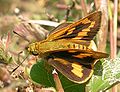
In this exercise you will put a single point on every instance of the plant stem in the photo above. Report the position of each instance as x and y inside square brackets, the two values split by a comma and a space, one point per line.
[83, 4]
[114, 37]
[102, 34]
[57, 82]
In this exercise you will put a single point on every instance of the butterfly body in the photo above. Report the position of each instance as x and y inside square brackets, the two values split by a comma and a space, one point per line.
[51, 46]
[71, 48]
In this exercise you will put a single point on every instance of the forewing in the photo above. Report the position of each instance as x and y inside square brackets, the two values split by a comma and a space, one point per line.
[62, 25]
[84, 29]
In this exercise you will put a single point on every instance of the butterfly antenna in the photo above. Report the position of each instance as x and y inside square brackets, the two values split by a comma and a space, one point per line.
[20, 63]
[21, 36]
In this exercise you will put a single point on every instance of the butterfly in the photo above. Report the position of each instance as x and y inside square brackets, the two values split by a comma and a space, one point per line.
[70, 46]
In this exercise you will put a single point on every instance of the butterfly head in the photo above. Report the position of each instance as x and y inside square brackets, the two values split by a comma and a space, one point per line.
[32, 48]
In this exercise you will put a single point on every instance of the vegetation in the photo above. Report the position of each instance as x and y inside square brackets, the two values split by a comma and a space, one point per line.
[25, 21]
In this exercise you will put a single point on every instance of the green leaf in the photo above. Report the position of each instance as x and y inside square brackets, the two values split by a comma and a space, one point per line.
[40, 75]
[69, 86]
[106, 75]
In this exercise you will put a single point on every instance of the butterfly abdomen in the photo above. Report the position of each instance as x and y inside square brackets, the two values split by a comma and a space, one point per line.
[77, 46]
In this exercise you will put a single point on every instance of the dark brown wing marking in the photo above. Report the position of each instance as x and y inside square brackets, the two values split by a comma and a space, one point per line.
[59, 27]
[81, 56]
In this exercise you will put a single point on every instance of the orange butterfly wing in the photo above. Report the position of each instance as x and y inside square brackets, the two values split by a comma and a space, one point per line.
[84, 29]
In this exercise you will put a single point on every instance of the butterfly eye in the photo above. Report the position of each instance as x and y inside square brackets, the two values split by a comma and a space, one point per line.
[35, 53]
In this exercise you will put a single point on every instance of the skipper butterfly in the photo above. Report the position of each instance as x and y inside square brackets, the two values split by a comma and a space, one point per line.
[70, 46]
